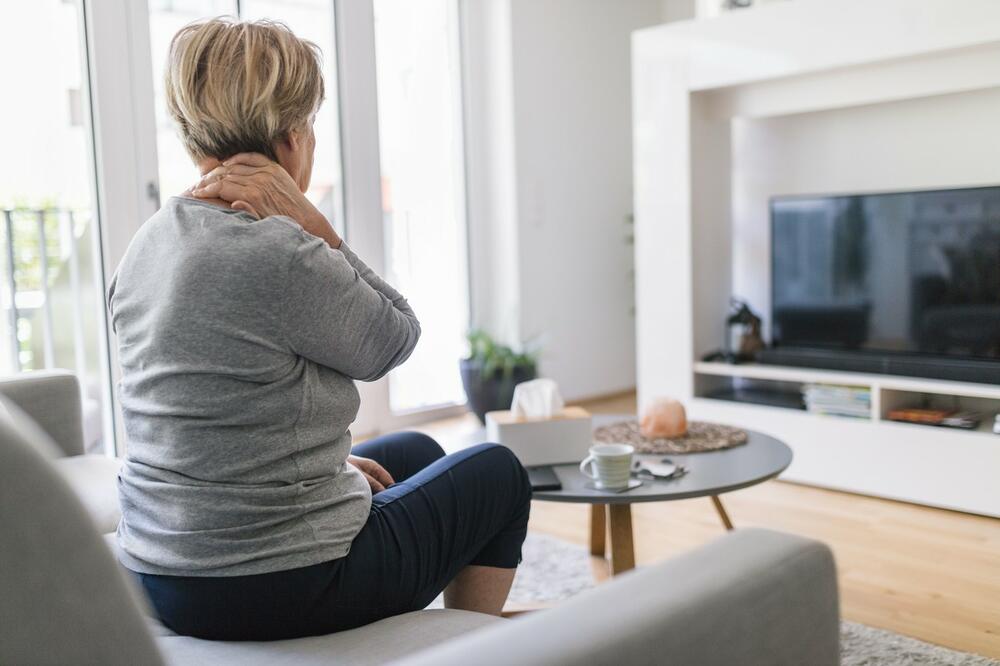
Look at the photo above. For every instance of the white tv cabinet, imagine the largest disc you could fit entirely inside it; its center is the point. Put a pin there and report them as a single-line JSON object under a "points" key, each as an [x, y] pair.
{"points": [[947, 467], [691, 80]]}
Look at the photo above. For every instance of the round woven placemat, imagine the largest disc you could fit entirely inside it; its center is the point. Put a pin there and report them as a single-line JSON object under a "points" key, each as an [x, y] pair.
{"points": [[700, 437]]}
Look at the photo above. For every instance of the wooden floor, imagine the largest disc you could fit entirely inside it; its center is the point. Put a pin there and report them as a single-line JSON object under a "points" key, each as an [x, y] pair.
{"points": [[927, 573]]}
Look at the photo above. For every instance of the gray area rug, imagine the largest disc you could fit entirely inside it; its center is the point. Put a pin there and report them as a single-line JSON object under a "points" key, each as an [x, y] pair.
{"points": [[554, 570], [861, 645]]}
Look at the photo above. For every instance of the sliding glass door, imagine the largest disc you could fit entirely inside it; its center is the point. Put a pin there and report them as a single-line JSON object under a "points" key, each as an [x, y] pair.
{"points": [[423, 190], [166, 17], [51, 285]]}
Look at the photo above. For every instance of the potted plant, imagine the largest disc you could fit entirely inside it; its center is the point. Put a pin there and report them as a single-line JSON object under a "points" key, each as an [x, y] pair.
{"points": [[491, 372]]}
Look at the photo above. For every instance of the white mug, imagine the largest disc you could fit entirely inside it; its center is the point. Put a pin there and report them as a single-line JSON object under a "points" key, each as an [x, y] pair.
{"points": [[612, 465]]}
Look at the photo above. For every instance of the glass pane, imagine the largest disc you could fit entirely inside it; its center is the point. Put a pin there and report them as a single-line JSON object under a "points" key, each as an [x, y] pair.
{"points": [[423, 190], [314, 20], [310, 19], [51, 295], [166, 17]]}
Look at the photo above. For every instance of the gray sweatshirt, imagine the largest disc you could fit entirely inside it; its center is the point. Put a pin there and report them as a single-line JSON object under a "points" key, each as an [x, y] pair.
{"points": [[239, 342]]}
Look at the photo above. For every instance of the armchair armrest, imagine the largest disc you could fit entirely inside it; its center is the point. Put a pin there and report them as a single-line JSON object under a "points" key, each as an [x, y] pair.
{"points": [[752, 597], [51, 399]]}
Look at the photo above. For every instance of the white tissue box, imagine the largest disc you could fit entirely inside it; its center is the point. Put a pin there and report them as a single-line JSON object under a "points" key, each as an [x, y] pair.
{"points": [[564, 438]]}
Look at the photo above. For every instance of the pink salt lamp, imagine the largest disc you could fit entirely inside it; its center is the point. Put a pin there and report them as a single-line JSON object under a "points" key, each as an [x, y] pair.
{"points": [[664, 417]]}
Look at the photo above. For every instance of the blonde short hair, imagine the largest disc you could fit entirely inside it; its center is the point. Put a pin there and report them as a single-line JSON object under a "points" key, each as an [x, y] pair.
{"points": [[240, 86]]}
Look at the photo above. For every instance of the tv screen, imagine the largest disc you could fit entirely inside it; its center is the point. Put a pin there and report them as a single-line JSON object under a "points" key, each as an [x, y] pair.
{"points": [[903, 272]]}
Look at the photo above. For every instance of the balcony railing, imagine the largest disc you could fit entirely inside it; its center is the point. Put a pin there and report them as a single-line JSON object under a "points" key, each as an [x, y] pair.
{"points": [[42, 265], [51, 303]]}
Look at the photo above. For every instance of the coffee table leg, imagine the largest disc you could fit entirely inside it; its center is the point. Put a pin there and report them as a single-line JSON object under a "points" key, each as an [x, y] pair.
{"points": [[722, 512], [598, 530], [622, 548]]}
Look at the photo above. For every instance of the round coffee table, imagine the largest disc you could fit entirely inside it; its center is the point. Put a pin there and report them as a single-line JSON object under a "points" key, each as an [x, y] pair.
{"points": [[709, 474]]}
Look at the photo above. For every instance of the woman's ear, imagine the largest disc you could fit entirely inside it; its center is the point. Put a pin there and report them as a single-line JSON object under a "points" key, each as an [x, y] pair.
{"points": [[293, 140], [288, 150]]}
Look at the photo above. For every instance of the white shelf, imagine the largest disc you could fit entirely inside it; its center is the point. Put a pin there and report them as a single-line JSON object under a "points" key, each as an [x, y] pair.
{"points": [[950, 468], [985, 428], [943, 467], [886, 382]]}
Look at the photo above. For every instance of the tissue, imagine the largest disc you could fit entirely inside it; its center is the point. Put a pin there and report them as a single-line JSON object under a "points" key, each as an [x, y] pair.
{"points": [[537, 399]]}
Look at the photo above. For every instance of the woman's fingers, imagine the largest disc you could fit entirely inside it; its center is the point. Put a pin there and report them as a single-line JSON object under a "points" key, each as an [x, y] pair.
{"points": [[381, 474], [376, 486], [365, 466], [241, 169], [243, 164], [207, 178], [249, 159], [372, 470], [204, 190], [220, 172], [230, 188], [246, 208], [207, 190]]}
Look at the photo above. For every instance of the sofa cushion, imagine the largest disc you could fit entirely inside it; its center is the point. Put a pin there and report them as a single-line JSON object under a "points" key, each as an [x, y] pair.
{"points": [[392, 638], [410, 633], [94, 479]]}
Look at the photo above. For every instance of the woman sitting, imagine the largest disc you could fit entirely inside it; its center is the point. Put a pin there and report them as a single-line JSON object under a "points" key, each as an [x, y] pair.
{"points": [[243, 321]]}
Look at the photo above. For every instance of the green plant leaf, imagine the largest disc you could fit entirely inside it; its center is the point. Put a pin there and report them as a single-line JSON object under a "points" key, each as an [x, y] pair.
{"points": [[498, 359]]}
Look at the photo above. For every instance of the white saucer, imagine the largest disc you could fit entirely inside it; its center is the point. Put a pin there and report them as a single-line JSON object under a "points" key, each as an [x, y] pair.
{"points": [[632, 485]]}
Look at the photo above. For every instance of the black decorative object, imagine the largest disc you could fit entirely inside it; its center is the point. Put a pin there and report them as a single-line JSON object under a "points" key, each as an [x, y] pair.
{"points": [[491, 372], [751, 342]]}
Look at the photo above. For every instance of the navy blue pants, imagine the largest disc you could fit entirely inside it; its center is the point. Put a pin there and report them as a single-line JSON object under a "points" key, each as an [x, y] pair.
{"points": [[442, 514]]}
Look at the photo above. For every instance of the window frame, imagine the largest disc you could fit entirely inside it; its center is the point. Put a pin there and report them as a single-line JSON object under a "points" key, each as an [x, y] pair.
{"points": [[119, 119]]}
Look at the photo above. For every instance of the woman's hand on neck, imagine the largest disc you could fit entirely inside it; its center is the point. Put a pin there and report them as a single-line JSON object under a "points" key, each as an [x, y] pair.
{"points": [[204, 167], [252, 183]]}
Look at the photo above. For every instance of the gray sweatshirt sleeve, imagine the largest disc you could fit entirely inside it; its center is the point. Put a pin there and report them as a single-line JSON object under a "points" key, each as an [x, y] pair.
{"points": [[342, 315]]}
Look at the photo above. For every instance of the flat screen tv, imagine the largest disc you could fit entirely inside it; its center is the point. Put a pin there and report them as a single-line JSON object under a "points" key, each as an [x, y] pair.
{"points": [[897, 273]]}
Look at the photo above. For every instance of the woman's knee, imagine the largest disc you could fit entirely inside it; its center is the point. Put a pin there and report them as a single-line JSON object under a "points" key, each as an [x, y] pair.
{"points": [[411, 452], [503, 462], [504, 550], [423, 446]]}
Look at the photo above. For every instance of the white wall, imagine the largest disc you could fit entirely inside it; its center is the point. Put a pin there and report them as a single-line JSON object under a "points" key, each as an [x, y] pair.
{"points": [[932, 142], [550, 182], [491, 193], [678, 10], [549, 177]]}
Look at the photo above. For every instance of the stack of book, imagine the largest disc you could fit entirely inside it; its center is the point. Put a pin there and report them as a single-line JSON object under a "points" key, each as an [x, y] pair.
{"points": [[853, 401]]}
